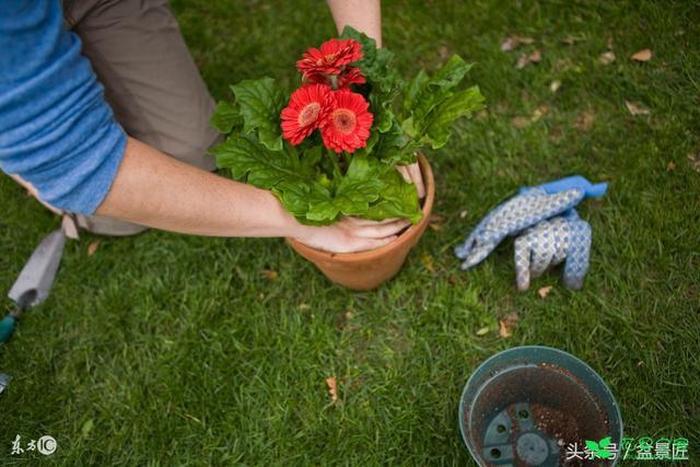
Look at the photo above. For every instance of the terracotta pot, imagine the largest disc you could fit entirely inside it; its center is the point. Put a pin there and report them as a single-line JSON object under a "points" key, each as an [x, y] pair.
{"points": [[367, 270]]}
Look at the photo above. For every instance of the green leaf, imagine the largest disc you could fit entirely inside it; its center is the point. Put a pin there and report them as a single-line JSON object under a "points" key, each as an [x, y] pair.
{"points": [[415, 86], [370, 190], [383, 116], [376, 64], [460, 104], [226, 116], [321, 207], [295, 197], [425, 94], [355, 191], [398, 198], [605, 442], [293, 179], [432, 104], [260, 103], [311, 157], [252, 162], [451, 73]]}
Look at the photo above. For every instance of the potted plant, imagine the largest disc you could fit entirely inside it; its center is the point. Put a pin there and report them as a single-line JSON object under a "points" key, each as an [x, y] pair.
{"points": [[331, 147]]}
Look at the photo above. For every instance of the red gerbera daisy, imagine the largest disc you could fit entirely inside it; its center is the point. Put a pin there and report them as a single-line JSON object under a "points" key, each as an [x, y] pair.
{"points": [[346, 127], [352, 75], [329, 59], [308, 106]]}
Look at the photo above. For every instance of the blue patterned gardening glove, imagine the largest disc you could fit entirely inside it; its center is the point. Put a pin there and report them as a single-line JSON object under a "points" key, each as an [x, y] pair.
{"points": [[531, 206], [549, 243]]}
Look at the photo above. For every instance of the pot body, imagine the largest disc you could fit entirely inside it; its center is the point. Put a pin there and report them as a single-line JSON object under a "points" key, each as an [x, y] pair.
{"points": [[526, 405], [367, 270]]}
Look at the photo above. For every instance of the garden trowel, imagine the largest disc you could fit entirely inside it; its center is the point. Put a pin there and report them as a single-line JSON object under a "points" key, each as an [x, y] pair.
{"points": [[34, 282], [4, 382]]}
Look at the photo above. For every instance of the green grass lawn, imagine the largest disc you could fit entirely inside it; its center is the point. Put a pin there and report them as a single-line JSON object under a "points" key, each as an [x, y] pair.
{"points": [[167, 349]]}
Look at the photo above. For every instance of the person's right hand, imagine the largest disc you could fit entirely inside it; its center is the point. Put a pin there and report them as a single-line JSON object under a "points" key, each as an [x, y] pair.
{"points": [[350, 235]]}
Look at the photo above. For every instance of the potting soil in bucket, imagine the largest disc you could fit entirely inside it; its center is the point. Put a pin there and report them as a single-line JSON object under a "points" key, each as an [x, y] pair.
{"points": [[526, 405]]}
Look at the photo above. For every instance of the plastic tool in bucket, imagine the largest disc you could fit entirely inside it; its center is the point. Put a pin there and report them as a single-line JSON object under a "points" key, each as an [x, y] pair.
{"points": [[526, 405]]}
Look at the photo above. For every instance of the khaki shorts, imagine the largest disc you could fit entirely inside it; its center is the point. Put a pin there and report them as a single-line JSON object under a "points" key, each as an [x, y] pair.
{"points": [[150, 80]]}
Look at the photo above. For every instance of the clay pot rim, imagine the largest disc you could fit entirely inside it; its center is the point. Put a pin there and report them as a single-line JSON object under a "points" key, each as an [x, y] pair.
{"points": [[404, 237]]}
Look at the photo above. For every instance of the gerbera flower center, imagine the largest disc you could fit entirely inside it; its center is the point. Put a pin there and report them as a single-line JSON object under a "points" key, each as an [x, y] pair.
{"points": [[344, 120], [329, 58], [309, 113]]}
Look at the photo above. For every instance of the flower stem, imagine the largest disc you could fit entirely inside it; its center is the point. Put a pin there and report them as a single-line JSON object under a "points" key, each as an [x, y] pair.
{"points": [[334, 81], [337, 172]]}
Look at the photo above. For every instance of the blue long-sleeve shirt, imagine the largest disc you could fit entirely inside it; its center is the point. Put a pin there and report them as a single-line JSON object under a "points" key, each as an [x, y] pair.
{"points": [[56, 130]]}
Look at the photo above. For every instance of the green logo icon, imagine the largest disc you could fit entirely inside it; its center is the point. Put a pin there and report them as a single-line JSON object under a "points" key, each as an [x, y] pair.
{"points": [[599, 449]]}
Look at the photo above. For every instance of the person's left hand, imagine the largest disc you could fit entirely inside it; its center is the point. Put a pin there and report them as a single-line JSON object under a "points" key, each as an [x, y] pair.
{"points": [[412, 174]]}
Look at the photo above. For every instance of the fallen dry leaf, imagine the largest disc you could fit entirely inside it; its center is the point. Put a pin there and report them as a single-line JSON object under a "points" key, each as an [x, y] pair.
{"points": [[508, 44], [584, 121], [269, 274], [554, 86], [555, 134], [520, 122], [570, 40], [428, 262], [607, 58], [503, 330], [694, 160], [92, 247], [507, 324], [482, 331], [463, 213], [635, 108], [341, 320], [436, 221], [444, 52], [522, 61], [539, 112], [643, 55], [671, 166], [525, 59], [513, 42], [332, 388], [544, 291]]}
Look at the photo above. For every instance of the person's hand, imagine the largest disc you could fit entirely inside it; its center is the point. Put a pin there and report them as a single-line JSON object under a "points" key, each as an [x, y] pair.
{"points": [[350, 235], [412, 174]]}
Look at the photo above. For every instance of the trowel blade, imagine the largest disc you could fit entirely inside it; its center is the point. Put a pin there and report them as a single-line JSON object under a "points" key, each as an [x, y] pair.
{"points": [[35, 281], [4, 381]]}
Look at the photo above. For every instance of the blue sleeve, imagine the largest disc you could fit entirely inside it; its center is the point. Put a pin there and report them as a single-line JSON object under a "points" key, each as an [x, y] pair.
{"points": [[56, 130]]}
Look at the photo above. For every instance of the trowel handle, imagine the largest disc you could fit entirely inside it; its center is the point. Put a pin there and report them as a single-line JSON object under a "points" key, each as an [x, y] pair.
{"points": [[7, 327]]}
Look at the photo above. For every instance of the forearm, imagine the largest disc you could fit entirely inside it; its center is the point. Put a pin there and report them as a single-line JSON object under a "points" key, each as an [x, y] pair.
{"points": [[363, 15], [156, 190]]}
